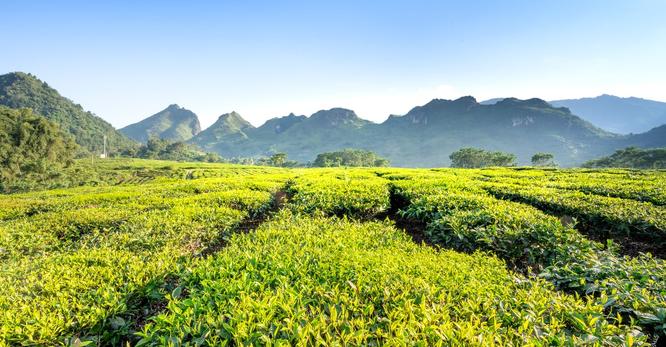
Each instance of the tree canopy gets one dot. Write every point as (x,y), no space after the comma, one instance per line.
(543,159)
(476,158)
(163,149)
(350,157)
(31,148)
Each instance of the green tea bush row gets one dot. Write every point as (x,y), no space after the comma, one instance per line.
(468,219)
(526,237)
(78,268)
(328,281)
(604,215)
(647,186)
(359,194)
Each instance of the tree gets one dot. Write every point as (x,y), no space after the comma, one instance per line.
(476,158)
(543,159)
(31,148)
(278,159)
(350,157)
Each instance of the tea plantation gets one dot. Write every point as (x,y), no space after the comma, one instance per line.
(152,253)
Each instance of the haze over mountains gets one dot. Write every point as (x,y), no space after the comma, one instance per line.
(424,137)
(620,115)
(613,113)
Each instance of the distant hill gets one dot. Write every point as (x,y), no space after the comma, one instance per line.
(173,123)
(654,138)
(427,134)
(18,89)
(632,157)
(620,115)
(302,137)
(224,135)
(492,101)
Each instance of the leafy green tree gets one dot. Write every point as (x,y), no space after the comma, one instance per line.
(31,148)
(278,159)
(476,158)
(350,157)
(543,159)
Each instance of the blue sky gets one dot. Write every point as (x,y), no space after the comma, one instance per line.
(125,60)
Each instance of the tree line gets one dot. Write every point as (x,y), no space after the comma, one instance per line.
(469,157)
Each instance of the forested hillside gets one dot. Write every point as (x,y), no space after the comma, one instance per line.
(32,149)
(19,89)
(632,157)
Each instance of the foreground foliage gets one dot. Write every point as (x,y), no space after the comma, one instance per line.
(460,214)
(89,263)
(165,253)
(323,281)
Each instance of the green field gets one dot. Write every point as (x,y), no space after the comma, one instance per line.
(165,253)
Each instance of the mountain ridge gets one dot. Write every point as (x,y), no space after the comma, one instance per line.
(174,123)
(423,137)
(427,134)
(618,114)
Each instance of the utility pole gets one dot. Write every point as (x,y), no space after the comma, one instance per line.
(105,154)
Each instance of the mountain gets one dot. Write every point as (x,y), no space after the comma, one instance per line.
(224,135)
(654,138)
(302,137)
(18,89)
(427,134)
(173,123)
(279,124)
(620,115)
(632,157)
(492,101)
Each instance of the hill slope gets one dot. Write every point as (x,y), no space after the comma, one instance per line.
(173,123)
(620,115)
(19,89)
(224,135)
(632,157)
(427,135)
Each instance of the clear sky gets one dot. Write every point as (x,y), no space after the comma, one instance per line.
(125,60)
